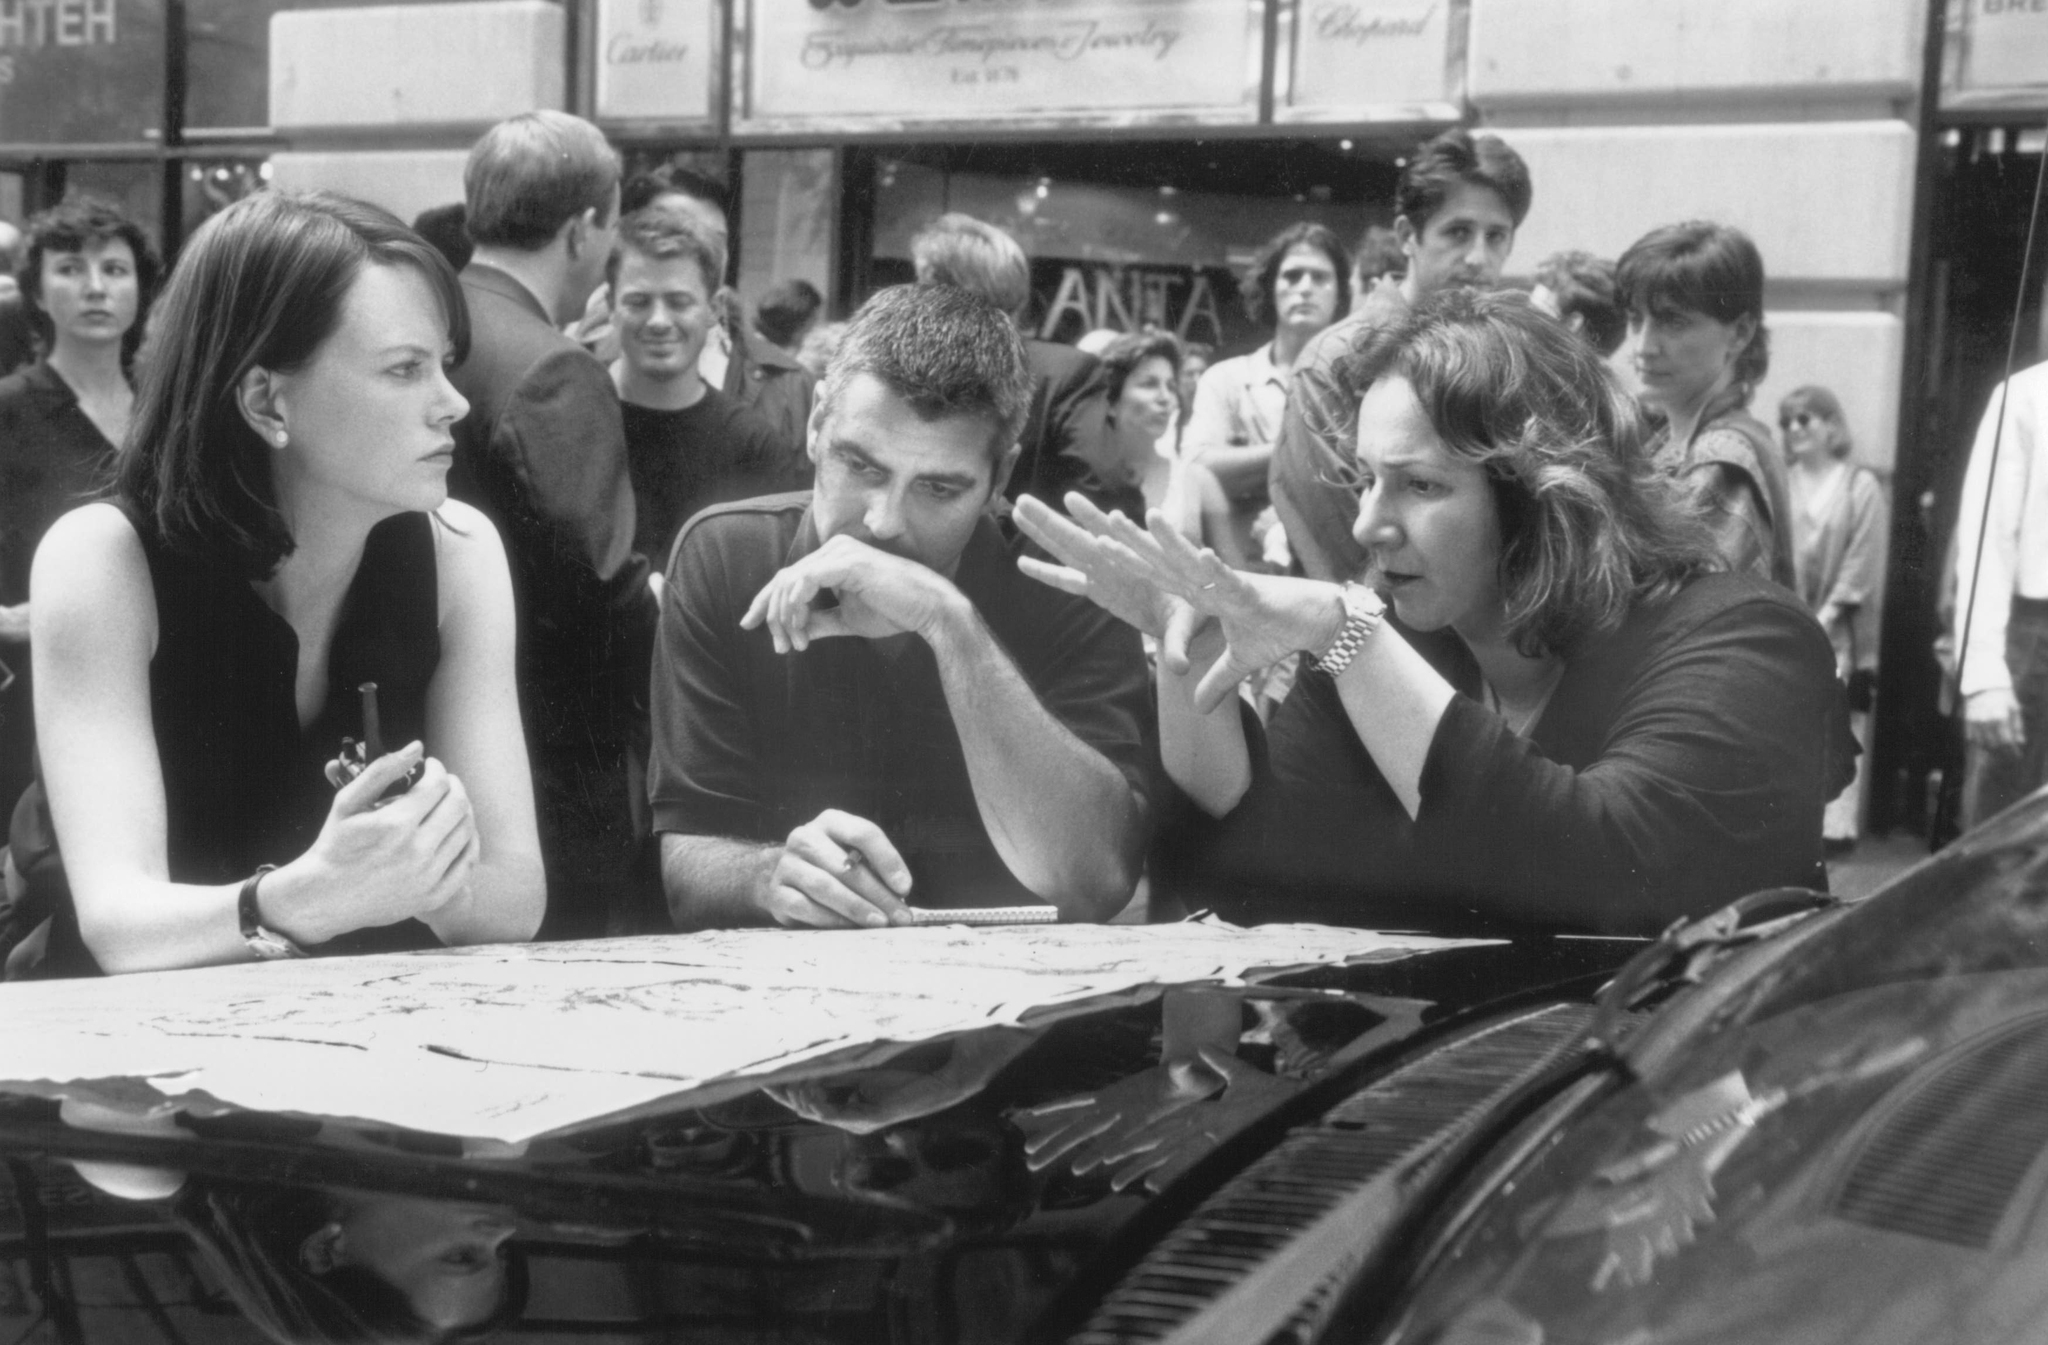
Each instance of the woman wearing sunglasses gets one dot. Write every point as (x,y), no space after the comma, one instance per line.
(1839,535)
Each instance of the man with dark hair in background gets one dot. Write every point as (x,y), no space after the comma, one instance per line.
(787,313)
(1063,433)
(1579,290)
(543,453)
(860,702)
(1460,201)
(444,227)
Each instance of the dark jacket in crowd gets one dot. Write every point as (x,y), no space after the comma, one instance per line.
(1067,414)
(768,381)
(17,334)
(543,453)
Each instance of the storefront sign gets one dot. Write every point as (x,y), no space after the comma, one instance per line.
(1188,301)
(654,60)
(2000,56)
(1389,60)
(79,71)
(849,63)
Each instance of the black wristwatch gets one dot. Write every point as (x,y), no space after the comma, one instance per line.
(267,944)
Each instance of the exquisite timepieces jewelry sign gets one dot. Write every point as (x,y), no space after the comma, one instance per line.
(874,63)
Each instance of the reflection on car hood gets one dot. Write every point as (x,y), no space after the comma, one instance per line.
(956,1192)
(1847,1148)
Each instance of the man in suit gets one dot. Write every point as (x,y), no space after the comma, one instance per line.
(1065,432)
(543,452)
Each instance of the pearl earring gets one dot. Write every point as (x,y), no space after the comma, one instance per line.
(282,438)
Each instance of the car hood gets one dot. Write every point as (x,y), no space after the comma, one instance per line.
(964,1189)
(1837,1139)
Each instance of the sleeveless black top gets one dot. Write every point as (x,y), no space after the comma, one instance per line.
(244,785)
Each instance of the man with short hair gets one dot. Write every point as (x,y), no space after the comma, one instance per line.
(737,361)
(860,703)
(1065,437)
(1579,290)
(543,453)
(1460,201)
(688,445)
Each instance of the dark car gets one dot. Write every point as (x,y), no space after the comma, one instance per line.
(1799,1120)
(994,1186)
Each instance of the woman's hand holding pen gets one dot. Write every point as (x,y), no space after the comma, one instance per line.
(377,861)
(838,871)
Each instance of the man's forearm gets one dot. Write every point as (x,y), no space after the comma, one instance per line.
(1062,817)
(713,882)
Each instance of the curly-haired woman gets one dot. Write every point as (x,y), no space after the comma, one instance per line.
(1568,720)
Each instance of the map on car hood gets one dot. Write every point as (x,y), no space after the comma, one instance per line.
(509,1042)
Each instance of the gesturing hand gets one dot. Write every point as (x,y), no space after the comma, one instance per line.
(879,595)
(838,871)
(1089,564)
(1265,618)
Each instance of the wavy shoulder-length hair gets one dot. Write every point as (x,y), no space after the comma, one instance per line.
(260,285)
(1589,525)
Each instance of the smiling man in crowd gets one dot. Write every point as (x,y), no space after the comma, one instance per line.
(860,704)
(1460,201)
(688,445)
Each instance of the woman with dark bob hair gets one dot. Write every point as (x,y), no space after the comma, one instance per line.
(280,534)
(87,278)
(1694,294)
(1568,719)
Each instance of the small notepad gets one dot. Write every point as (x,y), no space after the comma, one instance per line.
(989,915)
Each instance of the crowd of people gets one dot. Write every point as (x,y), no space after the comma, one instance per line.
(375,587)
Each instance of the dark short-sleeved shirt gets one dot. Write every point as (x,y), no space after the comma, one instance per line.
(750,744)
(1682,761)
(681,461)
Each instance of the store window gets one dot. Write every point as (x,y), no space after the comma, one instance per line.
(1125,238)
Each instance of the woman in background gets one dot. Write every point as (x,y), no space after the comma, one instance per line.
(87,276)
(1840,531)
(1694,294)
(1141,377)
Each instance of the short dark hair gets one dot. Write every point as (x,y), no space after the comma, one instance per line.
(957,249)
(260,285)
(653,231)
(73,226)
(531,174)
(785,310)
(1700,267)
(1585,285)
(1590,525)
(1379,253)
(1256,288)
(444,226)
(1458,158)
(1121,358)
(944,350)
(642,189)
